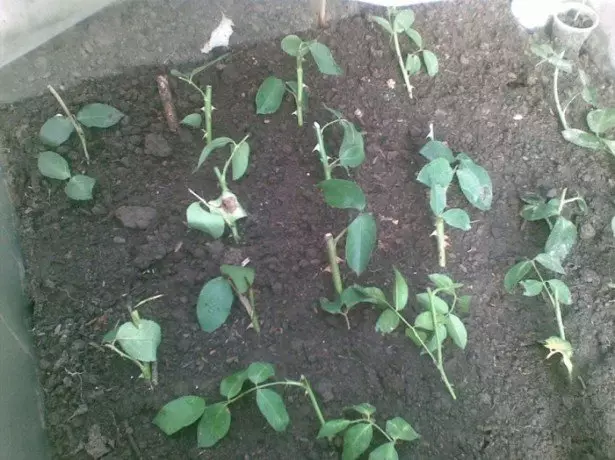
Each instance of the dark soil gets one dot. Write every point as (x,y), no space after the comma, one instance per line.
(489,100)
(572,18)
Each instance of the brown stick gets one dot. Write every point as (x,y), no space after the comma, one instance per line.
(167,102)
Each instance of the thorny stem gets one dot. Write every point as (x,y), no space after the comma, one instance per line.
(254,316)
(222,177)
(400,60)
(74,122)
(333,265)
(558,105)
(299,88)
(322,152)
(208,108)
(441,240)
(554,301)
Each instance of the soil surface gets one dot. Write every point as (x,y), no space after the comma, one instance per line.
(488,100)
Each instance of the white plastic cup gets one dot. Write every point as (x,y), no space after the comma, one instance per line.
(568,37)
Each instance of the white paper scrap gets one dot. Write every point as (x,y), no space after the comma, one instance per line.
(220,36)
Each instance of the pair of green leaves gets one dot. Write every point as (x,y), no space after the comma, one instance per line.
(401,22)
(139,338)
(351,153)
(239,155)
(438,174)
(599,121)
(358,434)
(361,233)
(223,211)
(216,297)
(215,420)
(79,187)
(56,130)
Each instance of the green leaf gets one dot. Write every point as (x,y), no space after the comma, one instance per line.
(442,282)
(457,218)
(214,425)
(110,336)
(562,238)
(333,307)
(80,187)
(415,37)
(582,138)
(539,211)
(385,24)
(324,59)
(561,291)
(179,413)
(431,62)
(52,165)
(475,184)
(515,274)
(140,342)
(558,345)
(242,277)
(432,343)
(372,295)
(258,372)
(352,151)
(217,143)
(437,149)
(332,427)
(437,199)
(531,288)
(403,20)
(463,303)
(384,452)
(269,95)
(343,194)
(98,115)
(609,144)
(414,335)
(291,44)
(56,131)
(214,304)
(387,322)
(365,409)
(456,331)
(413,64)
(240,160)
(356,440)
(542,50)
(439,305)
(563,64)
(360,242)
(590,96)
(231,386)
(193,120)
(205,221)
(437,172)
(550,262)
(273,409)
(424,321)
(401,291)
(398,428)
(601,120)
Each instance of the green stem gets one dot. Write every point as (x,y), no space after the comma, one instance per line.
(333,265)
(254,316)
(73,121)
(312,396)
(221,178)
(299,87)
(402,67)
(558,105)
(322,151)
(208,133)
(439,365)
(558,316)
(441,241)
(384,433)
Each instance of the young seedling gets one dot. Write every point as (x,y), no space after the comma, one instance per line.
(271,92)
(438,175)
(79,187)
(195,120)
(225,210)
(56,130)
(561,240)
(399,23)
(139,339)
(431,327)
(214,421)
(600,121)
(216,298)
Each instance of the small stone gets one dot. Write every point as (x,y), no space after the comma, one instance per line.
(78,345)
(464,60)
(587,231)
(119,240)
(156,145)
(97,445)
(325,389)
(139,217)
(277,288)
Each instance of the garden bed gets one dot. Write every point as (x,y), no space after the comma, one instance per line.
(488,100)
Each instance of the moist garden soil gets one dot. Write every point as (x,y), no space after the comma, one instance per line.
(488,100)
